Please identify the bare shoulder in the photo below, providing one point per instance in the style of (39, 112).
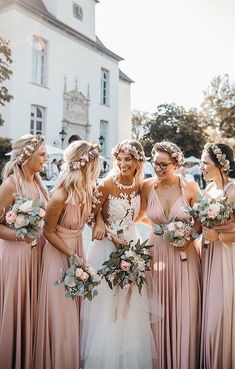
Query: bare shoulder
(148, 183)
(106, 185)
(192, 186)
(7, 188)
(58, 197)
(231, 192)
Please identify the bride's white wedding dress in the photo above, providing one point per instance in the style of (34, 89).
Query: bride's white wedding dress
(114, 336)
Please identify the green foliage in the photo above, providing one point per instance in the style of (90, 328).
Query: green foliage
(138, 122)
(5, 72)
(174, 123)
(5, 146)
(218, 106)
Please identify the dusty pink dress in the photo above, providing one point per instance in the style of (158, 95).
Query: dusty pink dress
(218, 313)
(19, 279)
(177, 336)
(57, 333)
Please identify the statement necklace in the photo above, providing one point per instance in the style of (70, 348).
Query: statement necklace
(122, 186)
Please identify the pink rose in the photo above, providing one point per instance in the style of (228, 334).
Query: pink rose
(125, 266)
(10, 217)
(84, 276)
(211, 213)
(42, 213)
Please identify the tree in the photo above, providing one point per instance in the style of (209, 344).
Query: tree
(173, 123)
(138, 123)
(5, 72)
(5, 146)
(218, 105)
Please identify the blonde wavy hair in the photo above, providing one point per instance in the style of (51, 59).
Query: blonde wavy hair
(15, 167)
(123, 145)
(79, 181)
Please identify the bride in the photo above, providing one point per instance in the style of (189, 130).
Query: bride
(115, 334)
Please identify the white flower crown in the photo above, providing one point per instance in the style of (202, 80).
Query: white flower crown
(84, 159)
(223, 161)
(177, 156)
(29, 149)
(128, 149)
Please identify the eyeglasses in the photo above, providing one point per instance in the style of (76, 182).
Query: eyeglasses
(161, 165)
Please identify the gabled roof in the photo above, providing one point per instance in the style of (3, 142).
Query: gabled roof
(124, 77)
(38, 7)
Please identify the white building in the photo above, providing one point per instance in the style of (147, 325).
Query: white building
(63, 76)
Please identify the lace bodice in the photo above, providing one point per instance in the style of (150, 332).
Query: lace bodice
(122, 211)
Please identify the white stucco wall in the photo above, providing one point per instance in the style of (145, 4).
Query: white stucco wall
(66, 56)
(63, 11)
(124, 126)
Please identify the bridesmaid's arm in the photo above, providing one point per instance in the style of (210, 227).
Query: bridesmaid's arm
(141, 217)
(53, 213)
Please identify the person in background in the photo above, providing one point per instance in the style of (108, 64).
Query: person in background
(54, 169)
(73, 138)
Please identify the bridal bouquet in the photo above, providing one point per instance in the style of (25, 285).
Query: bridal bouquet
(177, 233)
(211, 212)
(127, 266)
(26, 217)
(80, 279)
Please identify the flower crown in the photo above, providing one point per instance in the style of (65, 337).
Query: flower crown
(29, 149)
(223, 162)
(84, 159)
(128, 149)
(172, 150)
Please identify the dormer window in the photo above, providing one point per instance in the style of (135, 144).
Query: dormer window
(77, 11)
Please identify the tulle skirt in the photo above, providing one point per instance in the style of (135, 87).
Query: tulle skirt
(116, 334)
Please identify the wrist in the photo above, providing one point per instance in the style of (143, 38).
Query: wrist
(220, 237)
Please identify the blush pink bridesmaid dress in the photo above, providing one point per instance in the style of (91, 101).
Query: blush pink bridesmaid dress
(177, 335)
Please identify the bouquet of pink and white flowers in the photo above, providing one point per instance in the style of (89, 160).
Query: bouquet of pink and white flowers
(80, 279)
(26, 217)
(177, 233)
(127, 266)
(211, 212)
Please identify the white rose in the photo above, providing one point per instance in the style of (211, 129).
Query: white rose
(21, 221)
(26, 207)
(171, 226)
(129, 254)
(215, 208)
(96, 278)
(79, 272)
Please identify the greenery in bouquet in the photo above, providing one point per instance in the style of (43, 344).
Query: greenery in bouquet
(127, 266)
(211, 212)
(80, 279)
(26, 216)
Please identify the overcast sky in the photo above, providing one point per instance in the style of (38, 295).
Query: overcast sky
(172, 48)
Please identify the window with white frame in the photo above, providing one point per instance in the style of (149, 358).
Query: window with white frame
(37, 120)
(39, 60)
(103, 137)
(104, 87)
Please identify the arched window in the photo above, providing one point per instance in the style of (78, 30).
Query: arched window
(39, 61)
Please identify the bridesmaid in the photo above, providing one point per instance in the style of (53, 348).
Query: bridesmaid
(57, 334)
(218, 265)
(19, 263)
(177, 282)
